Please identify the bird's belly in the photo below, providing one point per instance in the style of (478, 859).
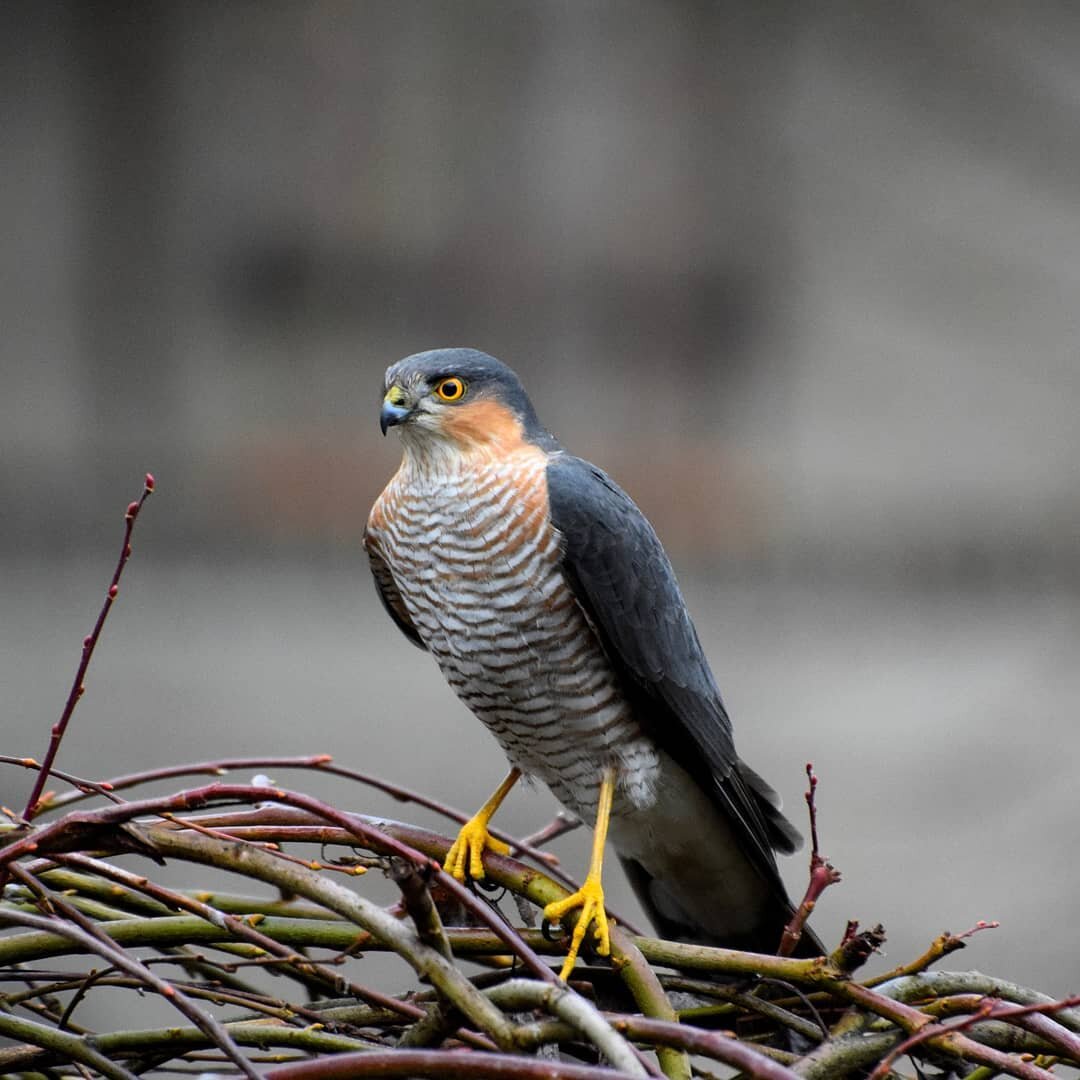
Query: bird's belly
(527, 664)
(495, 611)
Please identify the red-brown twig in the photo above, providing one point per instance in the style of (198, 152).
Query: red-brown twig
(78, 928)
(561, 824)
(219, 767)
(236, 927)
(324, 763)
(707, 1043)
(83, 788)
(89, 643)
(989, 1009)
(442, 1065)
(822, 875)
(954, 1042)
(72, 829)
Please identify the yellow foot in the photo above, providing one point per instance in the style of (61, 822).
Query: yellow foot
(590, 898)
(466, 857)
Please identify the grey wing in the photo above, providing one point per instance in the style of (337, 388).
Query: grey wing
(389, 595)
(621, 576)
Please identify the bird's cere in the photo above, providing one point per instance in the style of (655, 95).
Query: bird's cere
(395, 408)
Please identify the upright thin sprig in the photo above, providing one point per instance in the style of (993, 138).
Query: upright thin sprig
(822, 873)
(78, 687)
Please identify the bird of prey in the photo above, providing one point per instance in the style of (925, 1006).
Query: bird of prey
(551, 607)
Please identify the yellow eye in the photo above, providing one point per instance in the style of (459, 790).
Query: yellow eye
(452, 389)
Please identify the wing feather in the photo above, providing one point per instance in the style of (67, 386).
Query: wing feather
(623, 580)
(389, 595)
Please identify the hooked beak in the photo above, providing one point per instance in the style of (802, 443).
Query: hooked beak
(395, 408)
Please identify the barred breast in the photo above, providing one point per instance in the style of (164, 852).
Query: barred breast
(475, 559)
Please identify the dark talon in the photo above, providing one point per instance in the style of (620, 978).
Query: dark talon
(549, 934)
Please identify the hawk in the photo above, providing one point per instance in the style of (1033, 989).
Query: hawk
(551, 607)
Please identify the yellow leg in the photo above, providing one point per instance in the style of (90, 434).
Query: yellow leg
(590, 897)
(466, 856)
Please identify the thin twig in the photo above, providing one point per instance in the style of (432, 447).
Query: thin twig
(442, 1065)
(941, 946)
(822, 875)
(989, 1009)
(84, 788)
(425, 961)
(71, 828)
(244, 929)
(66, 1046)
(519, 995)
(89, 643)
(121, 960)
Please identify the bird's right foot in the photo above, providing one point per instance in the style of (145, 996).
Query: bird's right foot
(466, 857)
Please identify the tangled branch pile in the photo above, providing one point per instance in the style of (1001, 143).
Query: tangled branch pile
(70, 893)
(283, 973)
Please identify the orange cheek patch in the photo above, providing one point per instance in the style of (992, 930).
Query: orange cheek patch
(482, 422)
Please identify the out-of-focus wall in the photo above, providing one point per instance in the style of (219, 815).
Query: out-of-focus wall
(803, 277)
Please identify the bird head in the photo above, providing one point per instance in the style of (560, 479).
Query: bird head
(458, 399)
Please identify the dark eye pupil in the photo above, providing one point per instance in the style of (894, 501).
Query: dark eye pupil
(451, 388)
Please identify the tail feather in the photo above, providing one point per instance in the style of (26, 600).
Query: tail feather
(672, 923)
(784, 836)
(694, 871)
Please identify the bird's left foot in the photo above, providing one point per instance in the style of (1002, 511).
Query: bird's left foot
(590, 899)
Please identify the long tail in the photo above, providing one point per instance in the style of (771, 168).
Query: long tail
(673, 925)
(688, 862)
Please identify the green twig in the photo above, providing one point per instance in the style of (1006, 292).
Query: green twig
(253, 862)
(649, 996)
(518, 995)
(62, 1044)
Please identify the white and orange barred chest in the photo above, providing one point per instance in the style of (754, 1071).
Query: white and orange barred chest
(476, 561)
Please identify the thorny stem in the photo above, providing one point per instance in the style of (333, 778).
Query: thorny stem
(89, 643)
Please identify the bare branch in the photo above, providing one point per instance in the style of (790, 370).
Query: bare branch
(89, 643)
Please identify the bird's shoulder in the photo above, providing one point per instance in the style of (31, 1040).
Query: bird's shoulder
(623, 580)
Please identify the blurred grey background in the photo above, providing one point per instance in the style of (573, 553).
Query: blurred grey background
(803, 277)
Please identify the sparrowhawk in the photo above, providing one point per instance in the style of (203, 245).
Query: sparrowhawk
(551, 607)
